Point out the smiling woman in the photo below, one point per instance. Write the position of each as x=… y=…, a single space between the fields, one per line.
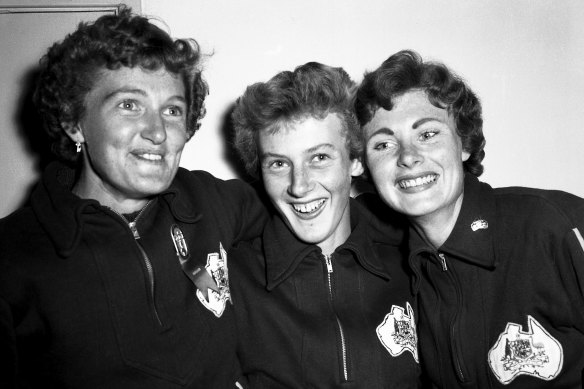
x=421 y=140
x=307 y=173
x=132 y=134
x=313 y=299
x=116 y=274
x=495 y=268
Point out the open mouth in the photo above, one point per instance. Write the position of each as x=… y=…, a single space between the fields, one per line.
x=415 y=182
x=150 y=157
x=309 y=208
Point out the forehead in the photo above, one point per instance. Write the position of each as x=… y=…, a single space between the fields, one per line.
x=136 y=78
x=407 y=110
x=303 y=135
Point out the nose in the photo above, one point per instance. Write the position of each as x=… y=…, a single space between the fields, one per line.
x=409 y=156
x=300 y=182
x=154 y=129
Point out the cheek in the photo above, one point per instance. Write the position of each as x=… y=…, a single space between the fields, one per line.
x=274 y=186
x=378 y=170
x=177 y=134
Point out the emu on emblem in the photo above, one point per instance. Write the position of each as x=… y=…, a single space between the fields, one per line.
x=398 y=333
x=534 y=352
x=217 y=269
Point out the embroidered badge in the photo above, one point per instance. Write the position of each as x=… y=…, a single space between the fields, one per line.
x=479 y=224
x=535 y=353
x=217 y=268
x=180 y=244
x=397 y=332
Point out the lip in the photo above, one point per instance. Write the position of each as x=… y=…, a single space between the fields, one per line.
x=417 y=183
x=309 y=209
x=149 y=156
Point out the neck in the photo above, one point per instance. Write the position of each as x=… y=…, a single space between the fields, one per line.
x=340 y=235
x=105 y=198
x=437 y=226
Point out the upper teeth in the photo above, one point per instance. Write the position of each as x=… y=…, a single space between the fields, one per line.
x=308 y=207
x=417 y=181
x=152 y=157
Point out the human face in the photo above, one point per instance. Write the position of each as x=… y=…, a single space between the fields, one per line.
x=134 y=131
x=415 y=157
x=307 y=172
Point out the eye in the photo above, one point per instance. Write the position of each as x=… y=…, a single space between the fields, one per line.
x=277 y=164
x=427 y=135
x=381 y=146
x=128 y=105
x=321 y=158
x=173 y=111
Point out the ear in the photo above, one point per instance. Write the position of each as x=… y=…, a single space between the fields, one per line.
x=74 y=132
x=356 y=167
x=465 y=155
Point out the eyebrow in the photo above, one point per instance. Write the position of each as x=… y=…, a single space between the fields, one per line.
x=137 y=91
x=419 y=122
x=382 y=131
x=309 y=151
x=320 y=146
x=121 y=91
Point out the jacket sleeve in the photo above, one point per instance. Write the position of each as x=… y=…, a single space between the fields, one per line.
x=249 y=211
x=7 y=347
x=573 y=250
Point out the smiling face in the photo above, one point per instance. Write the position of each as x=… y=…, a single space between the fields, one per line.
x=134 y=131
x=307 y=172
x=415 y=158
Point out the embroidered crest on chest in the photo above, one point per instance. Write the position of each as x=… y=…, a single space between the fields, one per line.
x=398 y=333
x=534 y=352
x=217 y=268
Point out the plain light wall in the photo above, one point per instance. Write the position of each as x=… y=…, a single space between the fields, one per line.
x=523 y=58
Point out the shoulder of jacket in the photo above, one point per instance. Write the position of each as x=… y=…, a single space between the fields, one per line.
x=549 y=205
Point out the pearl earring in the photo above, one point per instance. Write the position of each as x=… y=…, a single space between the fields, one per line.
x=78 y=144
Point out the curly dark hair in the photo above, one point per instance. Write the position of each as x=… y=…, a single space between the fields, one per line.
x=70 y=67
x=405 y=71
x=311 y=90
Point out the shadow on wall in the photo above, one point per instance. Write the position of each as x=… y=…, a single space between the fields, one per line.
x=30 y=127
x=233 y=160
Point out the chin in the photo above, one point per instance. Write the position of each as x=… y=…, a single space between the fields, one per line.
x=311 y=237
x=151 y=188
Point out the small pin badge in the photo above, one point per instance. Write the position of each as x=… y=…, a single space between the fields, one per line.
x=180 y=244
x=479 y=224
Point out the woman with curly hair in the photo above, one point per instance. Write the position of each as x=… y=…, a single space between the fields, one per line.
x=498 y=271
x=322 y=299
x=99 y=275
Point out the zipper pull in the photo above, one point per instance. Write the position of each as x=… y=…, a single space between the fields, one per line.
x=443 y=261
x=134 y=230
x=329 y=264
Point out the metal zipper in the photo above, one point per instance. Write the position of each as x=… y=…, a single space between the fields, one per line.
x=455 y=348
x=453 y=337
x=147 y=262
x=442 y=261
x=329 y=267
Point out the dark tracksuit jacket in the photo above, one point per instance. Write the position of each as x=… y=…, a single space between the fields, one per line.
x=88 y=302
x=501 y=302
x=306 y=321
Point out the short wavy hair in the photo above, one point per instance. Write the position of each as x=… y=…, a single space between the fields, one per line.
x=70 y=67
x=311 y=90
x=405 y=71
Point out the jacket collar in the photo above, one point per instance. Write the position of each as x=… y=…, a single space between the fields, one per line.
x=182 y=199
x=62 y=214
x=58 y=210
x=472 y=239
x=284 y=252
